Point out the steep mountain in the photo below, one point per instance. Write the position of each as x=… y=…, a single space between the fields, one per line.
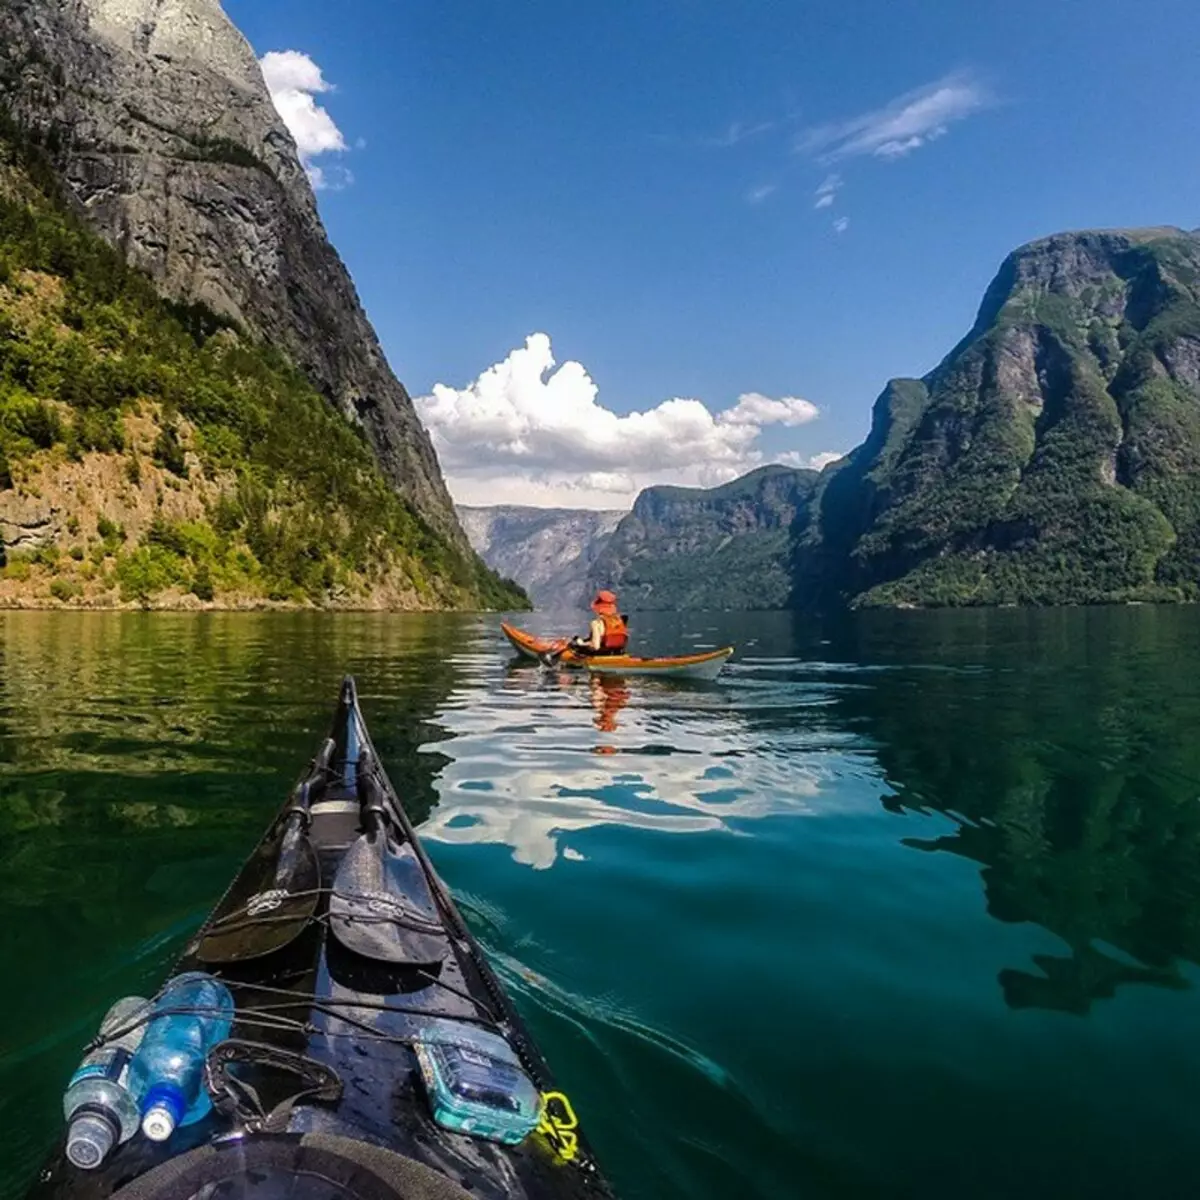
x=156 y=119
x=548 y=551
x=154 y=454
x=724 y=547
x=1052 y=457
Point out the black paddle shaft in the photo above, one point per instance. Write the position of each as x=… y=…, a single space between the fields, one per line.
x=311 y=786
x=372 y=799
x=277 y=893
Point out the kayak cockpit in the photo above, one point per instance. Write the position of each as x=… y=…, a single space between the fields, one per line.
x=313 y=1166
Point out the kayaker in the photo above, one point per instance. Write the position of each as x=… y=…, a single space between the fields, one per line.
x=608 y=633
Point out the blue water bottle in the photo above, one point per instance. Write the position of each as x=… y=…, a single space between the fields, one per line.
x=167 y=1073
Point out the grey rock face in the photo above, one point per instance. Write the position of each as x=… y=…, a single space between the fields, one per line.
x=548 y=551
x=1097 y=268
x=156 y=114
x=26 y=522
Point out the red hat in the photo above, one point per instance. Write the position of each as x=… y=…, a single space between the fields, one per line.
x=605 y=603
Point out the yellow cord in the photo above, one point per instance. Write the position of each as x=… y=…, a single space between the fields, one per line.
x=559 y=1129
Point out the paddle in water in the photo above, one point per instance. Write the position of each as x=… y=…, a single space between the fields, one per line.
x=380 y=906
x=278 y=895
x=550 y=657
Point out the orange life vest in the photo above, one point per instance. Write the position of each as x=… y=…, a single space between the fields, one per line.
x=616 y=634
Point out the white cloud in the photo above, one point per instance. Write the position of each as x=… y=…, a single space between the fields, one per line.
x=736 y=133
x=827 y=191
x=294 y=80
x=900 y=126
x=753 y=408
x=758 y=194
x=335 y=180
x=525 y=432
x=819 y=462
x=841 y=225
x=813 y=462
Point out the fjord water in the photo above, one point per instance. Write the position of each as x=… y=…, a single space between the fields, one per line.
x=907 y=904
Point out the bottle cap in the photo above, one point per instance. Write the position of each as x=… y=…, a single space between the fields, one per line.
x=158 y=1124
x=163 y=1107
x=89 y=1139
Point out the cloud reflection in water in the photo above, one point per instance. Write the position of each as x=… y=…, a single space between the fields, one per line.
x=548 y=755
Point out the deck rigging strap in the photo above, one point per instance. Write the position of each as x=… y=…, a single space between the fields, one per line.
x=239 y=1100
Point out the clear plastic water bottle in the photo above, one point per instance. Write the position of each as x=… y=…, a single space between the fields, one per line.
x=476 y=1084
x=167 y=1073
x=99 y=1108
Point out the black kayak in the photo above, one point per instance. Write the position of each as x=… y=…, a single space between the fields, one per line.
x=342 y=950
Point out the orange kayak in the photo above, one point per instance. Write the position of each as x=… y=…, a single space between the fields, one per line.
x=692 y=666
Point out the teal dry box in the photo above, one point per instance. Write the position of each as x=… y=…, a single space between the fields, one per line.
x=476 y=1085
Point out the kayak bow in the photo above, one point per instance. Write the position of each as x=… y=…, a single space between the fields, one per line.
x=535 y=648
x=321 y=1091
x=690 y=666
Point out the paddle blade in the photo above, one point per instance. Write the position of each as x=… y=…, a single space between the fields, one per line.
x=550 y=656
x=381 y=907
x=271 y=902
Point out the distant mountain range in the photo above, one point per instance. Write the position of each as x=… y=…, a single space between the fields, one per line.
x=724 y=547
x=551 y=550
x=1053 y=457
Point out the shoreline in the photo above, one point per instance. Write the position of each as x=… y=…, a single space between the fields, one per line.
x=247 y=606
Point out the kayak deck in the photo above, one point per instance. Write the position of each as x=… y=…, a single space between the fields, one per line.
x=706 y=665
x=313 y=1006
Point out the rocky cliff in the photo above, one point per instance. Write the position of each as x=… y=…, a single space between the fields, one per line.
x=156 y=454
x=1052 y=457
x=724 y=547
x=548 y=551
x=156 y=117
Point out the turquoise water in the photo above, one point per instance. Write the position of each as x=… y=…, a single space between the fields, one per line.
x=904 y=905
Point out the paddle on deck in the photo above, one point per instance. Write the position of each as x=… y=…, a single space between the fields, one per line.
x=280 y=895
x=380 y=906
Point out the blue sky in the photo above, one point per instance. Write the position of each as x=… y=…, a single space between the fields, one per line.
x=638 y=182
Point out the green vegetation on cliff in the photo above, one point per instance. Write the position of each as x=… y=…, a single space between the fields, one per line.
x=244 y=482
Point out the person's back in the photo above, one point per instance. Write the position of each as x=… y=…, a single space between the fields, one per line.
x=608 y=633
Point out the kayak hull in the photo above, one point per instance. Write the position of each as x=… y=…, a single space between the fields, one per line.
x=689 y=666
x=356 y=1113
x=707 y=665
